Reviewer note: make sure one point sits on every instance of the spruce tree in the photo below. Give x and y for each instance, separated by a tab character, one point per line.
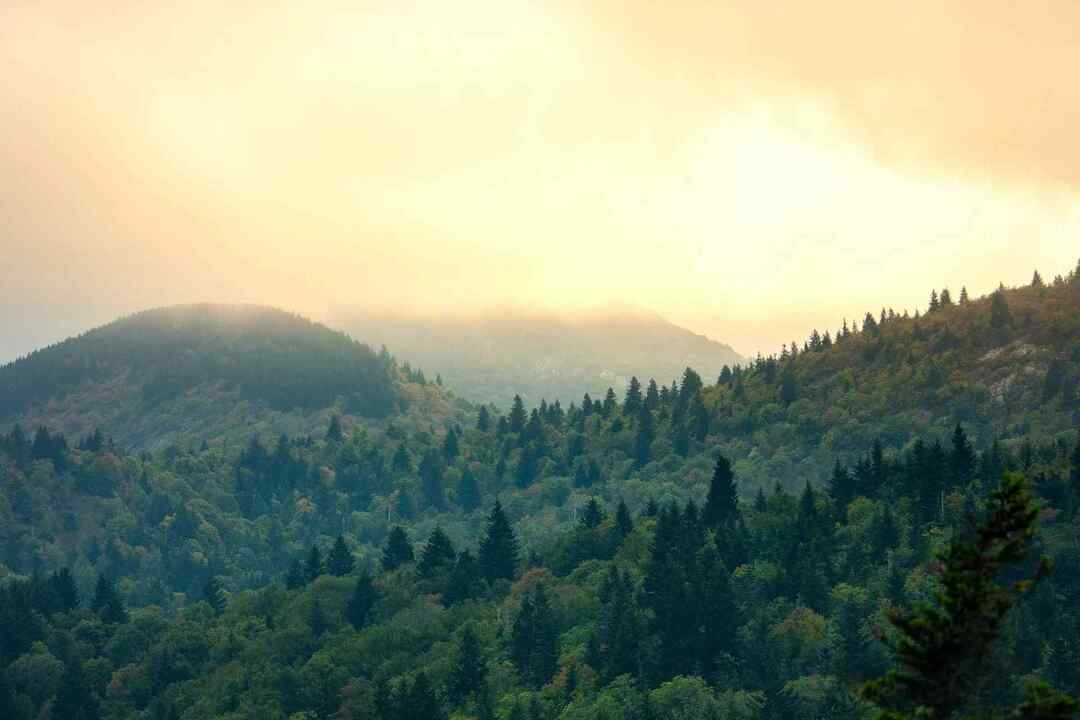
593	515
450	445
841	489
962	458
534	641
398	550
499	548
62	584
75	700
468	491
295	577
107	604
624	524
361	605
469	672
714	601
652	396
438	553
340	562
633	397
214	595
644	438
313	566
333	432
699	418
1000	317
722	504
421	702
464	579
483	419
517	415
431	479
943	648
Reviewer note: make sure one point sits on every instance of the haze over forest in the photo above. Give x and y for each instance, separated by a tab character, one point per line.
730	166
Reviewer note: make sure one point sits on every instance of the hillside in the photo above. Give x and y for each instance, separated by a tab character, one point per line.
723	548
196	372
492	358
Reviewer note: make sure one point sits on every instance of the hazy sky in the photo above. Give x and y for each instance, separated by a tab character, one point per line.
749	169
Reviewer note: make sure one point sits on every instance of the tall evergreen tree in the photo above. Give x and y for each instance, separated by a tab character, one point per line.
106	602
483	419
633	397
517	415
644	438
722	504
624	524
340	562
468	491
333	432
717	612
593	515
534	641
313	566
962	458
361	605
652	396
469	673
464	579
75	700
398	550
450	445
214	595
1000	317
295	577
438	553
431	478
499	548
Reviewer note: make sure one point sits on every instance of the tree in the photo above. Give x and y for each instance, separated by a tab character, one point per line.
63	587
963	295
517	415
593	515
652	395
469	672
633	397
483	419
438	554
74	700
340	562
534	641
717	613
431	478
788	391
214	594
610	403
699	418
313	566
107	603
943	649
361	605
1000	317
644	438
421	702
499	548
295	578
450	445
1036	280
722	503
464	579
962	457
841	489
398	550
334	433
624	524
468	491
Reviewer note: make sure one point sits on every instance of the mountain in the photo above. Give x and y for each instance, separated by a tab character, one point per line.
700	549
196	372
490	358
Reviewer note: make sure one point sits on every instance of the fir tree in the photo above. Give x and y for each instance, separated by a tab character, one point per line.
464	579
340	562
313	566
962	458
295	578
717	614
468	491
438	553
722	504
644	438
499	548
652	395
107	604
593	515
469	672
1000	317
534	641
361	605
633	397
1036	280
214	595
334	433
841	489
74	700
398	550
62	585
699	418
450	445
517	415
316	618
422	703
964	295
431	478
483	419
943	649
624	524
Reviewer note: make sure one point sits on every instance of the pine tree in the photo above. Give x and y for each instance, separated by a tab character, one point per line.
620	627
483	419
313	566
699	418
652	395
421	703
468	491
316	618
340	562
62	584
644	438
610	403
499	548
788	390
964	295
438	554
943	649
295	578
431	478
469	672
1000	317
722	504
361	605
946	298
962	458
534	641
74	700
450	445
717	613
398	550
1036	280
841	489
214	595
464	579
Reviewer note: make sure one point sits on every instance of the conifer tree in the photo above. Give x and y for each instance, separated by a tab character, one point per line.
943	648
624	524
1000	317
499	549
1036	280
610	403
962	458
62	584
340	562
946	298
398	550
334	433
74	700
483	419
841	489
468	491
431	478
107	604
464	579
438	553
652	395
644	438
534	642
313	566
722	504
633	397
469	672
517	415
295	578
620	628
214	595
717	613
699	418
593	515
361	605
964	295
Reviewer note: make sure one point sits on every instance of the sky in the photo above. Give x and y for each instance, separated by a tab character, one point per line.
749	170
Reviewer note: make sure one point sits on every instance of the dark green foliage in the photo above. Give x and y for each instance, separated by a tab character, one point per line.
534	640
468	492
499	548
295	578
624	524
398	550
722	505
334	433
213	594
340	560
75	700
465	579
313	566
593	515
361	606
431	478
107	603
943	649
470	672
517	417
438	554
1000	316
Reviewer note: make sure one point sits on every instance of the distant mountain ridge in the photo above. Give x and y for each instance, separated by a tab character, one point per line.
168	370
539	355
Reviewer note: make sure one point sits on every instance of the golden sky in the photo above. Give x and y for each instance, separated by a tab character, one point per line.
748	169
